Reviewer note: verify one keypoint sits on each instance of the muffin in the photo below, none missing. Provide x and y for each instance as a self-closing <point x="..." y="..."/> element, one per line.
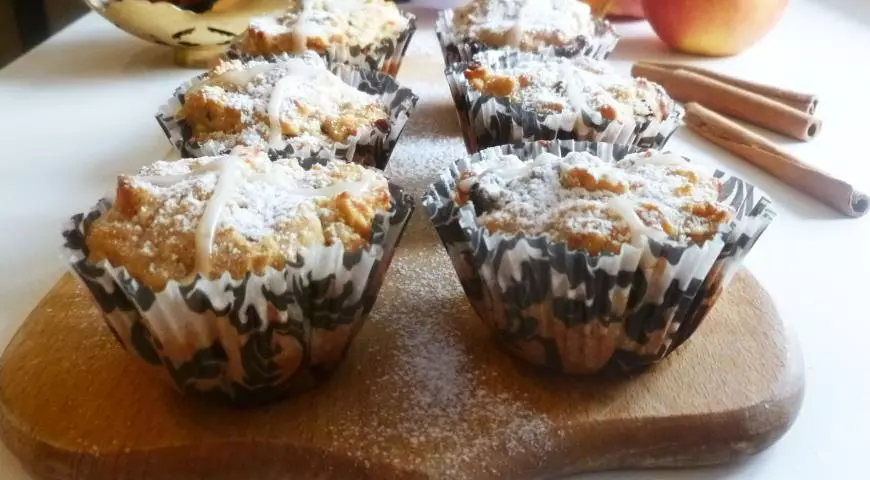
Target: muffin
<point x="506" y="97"/>
<point x="564" y="28"/>
<point x="368" y="34"/>
<point x="291" y="106"/>
<point x="590" y="257"/>
<point x="244" y="277"/>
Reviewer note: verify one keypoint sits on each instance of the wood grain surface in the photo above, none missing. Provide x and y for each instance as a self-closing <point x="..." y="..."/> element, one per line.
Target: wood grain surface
<point x="74" y="405"/>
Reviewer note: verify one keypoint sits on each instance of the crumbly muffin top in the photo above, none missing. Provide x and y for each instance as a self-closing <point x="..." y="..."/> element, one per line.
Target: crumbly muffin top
<point x="596" y="205"/>
<point x="524" y="24"/>
<point x="317" y="24"/>
<point x="572" y="85"/>
<point x="237" y="213"/>
<point x="263" y="104"/>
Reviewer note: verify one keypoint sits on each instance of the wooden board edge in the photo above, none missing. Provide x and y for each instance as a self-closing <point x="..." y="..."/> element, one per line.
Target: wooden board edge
<point x="45" y="460"/>
<point x="744" y="438"/>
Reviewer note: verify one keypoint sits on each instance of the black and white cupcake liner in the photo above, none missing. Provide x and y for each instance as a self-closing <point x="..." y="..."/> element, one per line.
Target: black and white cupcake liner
<point x="249" y="340"/>
<point x="488" y="121"/>
<point x="386" y="56"/>
<point x="371" y="146"/>
<point x="580" y="314"/>
<point x="456" y="48"/>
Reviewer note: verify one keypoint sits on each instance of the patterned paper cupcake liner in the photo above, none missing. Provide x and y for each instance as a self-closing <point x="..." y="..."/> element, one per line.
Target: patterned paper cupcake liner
<point x="371" y="146"/>
<point x="581" y="314"/>
<point x="249" y="340"/>
<point x="385" y="57"/>
<point x="488" y="121"/>
<point x="458" y="49"/>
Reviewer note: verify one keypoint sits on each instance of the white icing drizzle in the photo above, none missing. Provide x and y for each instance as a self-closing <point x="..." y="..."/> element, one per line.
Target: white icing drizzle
<point x="667" y="159"/>
<point x="275" y="103"/>
<point x="355" y="188"/>
<point x="303" y="27"/>
<point x="514" y="35"/>
<point x="625" y="209"/>
<point x="299" y="72"/>
<point x="512" y="19"/>
<point x="236" y="77"/>
<point x="168" y="180"/>
<point x="576" y="98"/>
<point x="229" y="171"/>
<point x="510" y="167"/>
<point x="538" y="203"/>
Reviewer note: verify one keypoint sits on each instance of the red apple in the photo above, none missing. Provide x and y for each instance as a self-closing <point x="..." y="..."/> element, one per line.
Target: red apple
<point x="713" y="27"/>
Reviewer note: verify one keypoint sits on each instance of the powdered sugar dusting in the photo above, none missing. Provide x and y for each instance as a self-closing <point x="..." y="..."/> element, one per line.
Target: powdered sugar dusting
<point x="524" y="23"/>
<point x="359" y="22"/>
<point x="446" y="410"/>
<point x="442" y="409"/>
<point x="581" y="84"/>
<point x="294" y="97"/>
<point x="212" y="215"/>
<point x="265" y="195"/>
<point x="580" y="198"/>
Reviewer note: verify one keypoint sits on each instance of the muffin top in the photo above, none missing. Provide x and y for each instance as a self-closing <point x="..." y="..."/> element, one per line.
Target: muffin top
<point x="237" y="213"/>
<point x="524" y="24"/>
<point x="317" y="24"/>
<point x="571" y="86"/>
<point x="265" y="105"/>
<point x="595" y="205"/>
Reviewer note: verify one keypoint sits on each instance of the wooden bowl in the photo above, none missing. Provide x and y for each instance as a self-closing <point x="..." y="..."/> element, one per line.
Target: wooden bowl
<point x="196" y="38"/>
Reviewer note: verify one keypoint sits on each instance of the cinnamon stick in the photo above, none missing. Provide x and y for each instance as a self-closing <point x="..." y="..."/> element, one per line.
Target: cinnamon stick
<point x="766" y="155"/>
<point x="805" y="102"/>
<point x="686" y="86"/>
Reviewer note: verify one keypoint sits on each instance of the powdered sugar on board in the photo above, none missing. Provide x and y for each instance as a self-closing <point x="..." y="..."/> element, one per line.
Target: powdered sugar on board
<point x="442" y="412"/>
<point x="432" y="139"/>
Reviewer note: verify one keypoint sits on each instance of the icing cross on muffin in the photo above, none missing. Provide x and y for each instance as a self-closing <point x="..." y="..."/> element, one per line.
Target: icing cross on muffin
<point x="237" y="213"/>
<point x="524" y="24"/>
<point x="594" y="205"/>
<point x="318" y="24"/>
<point x="561" y="85"/>
<point x="263" y="104"/>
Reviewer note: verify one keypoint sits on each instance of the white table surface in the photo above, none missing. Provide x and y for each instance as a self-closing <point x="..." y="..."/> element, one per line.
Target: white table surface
<point x="78" y="110"/>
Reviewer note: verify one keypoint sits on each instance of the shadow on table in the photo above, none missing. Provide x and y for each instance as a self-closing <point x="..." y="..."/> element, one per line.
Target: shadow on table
<point x="93" y="59"/>
<point x="855" y="10"/>
<point x="635" y="48"/>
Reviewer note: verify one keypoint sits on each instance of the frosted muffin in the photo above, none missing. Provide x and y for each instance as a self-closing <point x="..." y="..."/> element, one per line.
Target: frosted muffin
<point x="595" y="205"/>
<point x="290" y="106"/>
<point x="586" y="257"/>
<point x="368" y="34"/>
<point x="564" y="28"/>
<point x="242" y="276"/>
<point x="548" y="98"/>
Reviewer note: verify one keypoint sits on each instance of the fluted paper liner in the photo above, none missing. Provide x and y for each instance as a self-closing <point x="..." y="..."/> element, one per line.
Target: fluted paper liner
<point x="455" y="48"/>
<point x="371" y="146"/>
<point x="488" y="121"/>
<point x="253" y="339"/>
<point x="577" y="313"/>
<point x="384" y="57"/>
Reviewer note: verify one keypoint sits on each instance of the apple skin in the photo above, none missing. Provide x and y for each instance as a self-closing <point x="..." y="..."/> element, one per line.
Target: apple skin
<point x="713" y="27"/>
